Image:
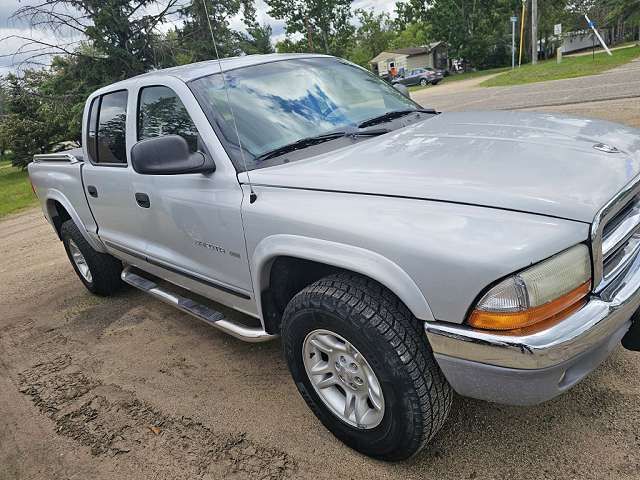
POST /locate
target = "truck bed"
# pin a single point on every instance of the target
(57, 180)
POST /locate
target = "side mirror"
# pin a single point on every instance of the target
(168, 155)
(402, 89)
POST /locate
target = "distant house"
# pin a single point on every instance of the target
(433, 55)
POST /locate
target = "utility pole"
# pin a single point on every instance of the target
(514, 20)
(534, 31)
(522, 20)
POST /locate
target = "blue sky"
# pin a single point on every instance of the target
(9, 28)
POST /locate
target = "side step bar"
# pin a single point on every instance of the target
(198, 310)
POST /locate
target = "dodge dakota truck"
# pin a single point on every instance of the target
(400, 253)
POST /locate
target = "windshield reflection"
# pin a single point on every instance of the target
(278, 103)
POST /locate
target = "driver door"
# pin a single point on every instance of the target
(191, 222)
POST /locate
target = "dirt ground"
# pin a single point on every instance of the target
(128, 387)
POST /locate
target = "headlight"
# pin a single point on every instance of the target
(551, 289)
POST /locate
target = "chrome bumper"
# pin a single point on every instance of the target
(602, 317)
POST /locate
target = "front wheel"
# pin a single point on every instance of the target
(361, 362)
(424, 82)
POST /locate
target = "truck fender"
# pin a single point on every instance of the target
(58, 196)
(348, 257)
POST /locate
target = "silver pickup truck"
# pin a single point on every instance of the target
(400, 253)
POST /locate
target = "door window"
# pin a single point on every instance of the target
(112, 120)
(160, 112)
(91, 130)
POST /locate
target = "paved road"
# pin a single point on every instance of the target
(127, 387)
(622, 83)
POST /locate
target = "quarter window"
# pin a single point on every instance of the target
(112, 120)
(161, 112)
(91, 130)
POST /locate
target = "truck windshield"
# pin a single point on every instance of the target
(282, 102)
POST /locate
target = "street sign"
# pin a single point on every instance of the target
(514, 19)
(557, 29)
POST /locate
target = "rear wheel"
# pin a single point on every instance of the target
(99, 272)
(362, 363)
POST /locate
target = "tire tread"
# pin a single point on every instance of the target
(370, 304)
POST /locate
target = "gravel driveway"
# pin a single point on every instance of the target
(129, 388)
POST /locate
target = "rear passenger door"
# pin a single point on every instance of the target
(107, 173)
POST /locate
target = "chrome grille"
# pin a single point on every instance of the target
(616, 236)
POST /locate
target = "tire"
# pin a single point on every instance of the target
(436, 82)
(424, 82)
(104, 270)
(416, 397)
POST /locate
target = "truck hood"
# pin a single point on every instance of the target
(532, 162)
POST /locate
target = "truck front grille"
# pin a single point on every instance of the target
(620, 240)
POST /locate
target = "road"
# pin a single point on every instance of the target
(127, 387)
(603, 95)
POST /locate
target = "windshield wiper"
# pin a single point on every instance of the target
(387, 117)
(310, 141)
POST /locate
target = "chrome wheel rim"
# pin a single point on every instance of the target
(80, 261)
(343, 379)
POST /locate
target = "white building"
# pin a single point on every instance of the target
(433, 55)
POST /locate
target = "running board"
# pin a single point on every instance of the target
(198, 310)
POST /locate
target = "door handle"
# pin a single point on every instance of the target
(143, 200)
(93, 191)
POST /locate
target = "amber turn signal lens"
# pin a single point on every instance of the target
(513, 320)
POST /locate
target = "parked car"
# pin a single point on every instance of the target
(439, 71)
(400, 253)
(419, 76)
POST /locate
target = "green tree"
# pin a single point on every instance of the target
(477, 31)
(195, 36)
(36, 119)
(256, 40)
(289, 45)
(325, 24)
(610, 13)
(373, 35)
(411, 12)
(627, 10)
(413, 35)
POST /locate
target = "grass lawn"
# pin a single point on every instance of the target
(571, 67)
(462, 76)
(15, 190)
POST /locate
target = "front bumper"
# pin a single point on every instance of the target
(529, 369)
